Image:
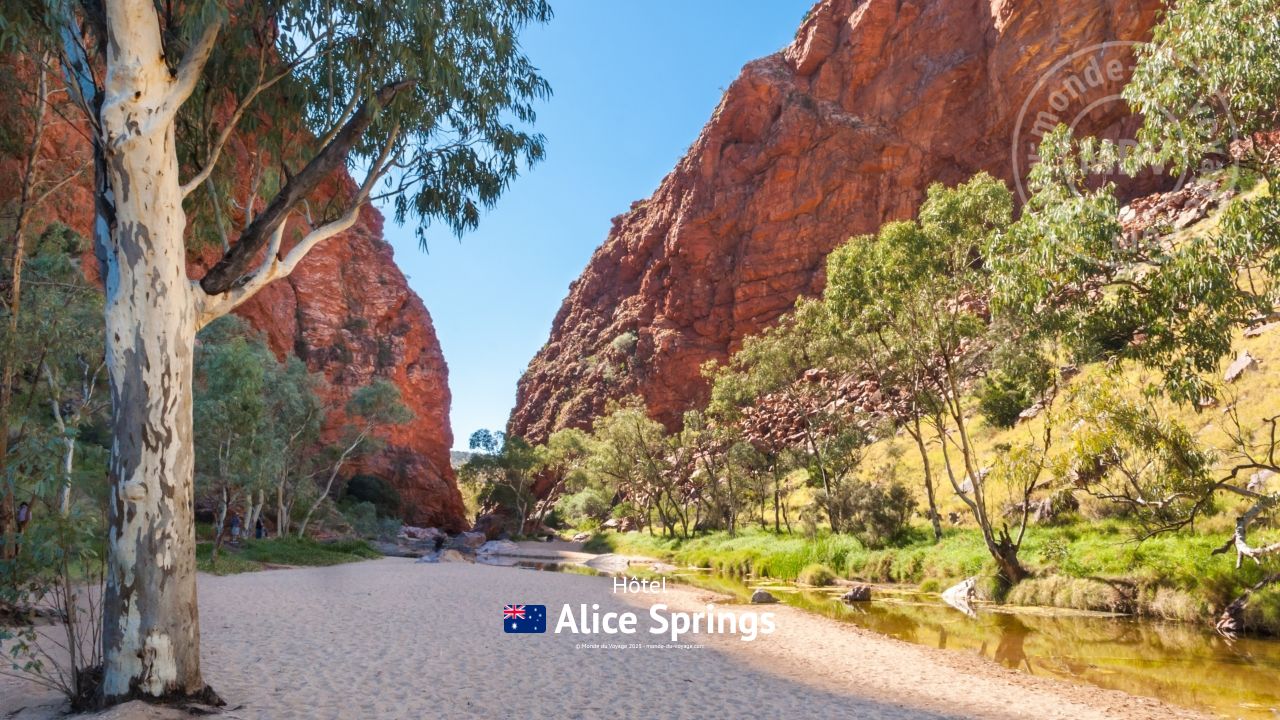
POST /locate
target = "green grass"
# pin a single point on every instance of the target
(817, 575)
(256, 555)
(1093, 566)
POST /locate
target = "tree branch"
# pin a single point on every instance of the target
(192, 66)
(235, 263)
(273, 268)
(261, 85)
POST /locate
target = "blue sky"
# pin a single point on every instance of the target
(634, 82)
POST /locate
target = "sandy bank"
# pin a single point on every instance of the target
(395, 639)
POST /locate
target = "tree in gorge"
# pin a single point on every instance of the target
(1208, 89)
(425, 102)
(918, 291)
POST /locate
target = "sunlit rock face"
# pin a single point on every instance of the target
(347, 311)
(837, 134)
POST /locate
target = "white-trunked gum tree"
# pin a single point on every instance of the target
(426, 102)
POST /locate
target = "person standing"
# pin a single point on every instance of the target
(23, 517)
(259, 530)
(235, 529)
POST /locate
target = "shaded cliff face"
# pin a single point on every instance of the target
(347, 311)
(842, 131)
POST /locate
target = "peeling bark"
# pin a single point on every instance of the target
(151, 630)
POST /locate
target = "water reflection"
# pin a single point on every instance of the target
(1181, 664)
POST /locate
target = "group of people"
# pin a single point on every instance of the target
(259, 530)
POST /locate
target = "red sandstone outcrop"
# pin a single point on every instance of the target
(347, 311)
(834, 136)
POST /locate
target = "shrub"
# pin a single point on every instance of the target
(816, 574)
(582, 508)
(374, 490)
(1017, 382)
(875, 514)
(365, 521)
(624, 344)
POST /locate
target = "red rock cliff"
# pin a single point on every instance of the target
(837, 134)
(347, 311)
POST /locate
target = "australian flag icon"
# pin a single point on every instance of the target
(524, 618)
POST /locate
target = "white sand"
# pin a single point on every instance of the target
(395, 639)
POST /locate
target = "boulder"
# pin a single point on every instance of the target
(762, 597)
(857, 594)
(1258, 481)
(491, 525)
(582, 537)
(1256, 330)
(497, 547)
(468, 541)
(410, 532)
(960, 596)
(1244, 361)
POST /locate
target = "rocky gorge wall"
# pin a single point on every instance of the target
(835, 135)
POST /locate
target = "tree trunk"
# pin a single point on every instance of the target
(282, 511)
(151, 630)
(777, 503)
(917, 433)
(333, 475)
(219, 525)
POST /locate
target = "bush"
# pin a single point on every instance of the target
(375, 490)
(875, 514)
(585, 507)
(625, 343)
(364, 520)
(817, 574)
(1015, 385)
(626, 510)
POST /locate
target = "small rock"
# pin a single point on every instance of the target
(467, 540)
(497, 547)
(1243, 362)
(582, 537)
(857, 594)
(1258, 480)
(1257, 330)
(762, 597)
(1188, 217)
(960, 596)
(431, 557)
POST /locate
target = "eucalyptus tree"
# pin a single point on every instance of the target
(636, 458)
(561, 464)
(920, 288)
(425, 101)
(371, 407)
(298, 412)
(1208, 88)
(504, 469)
(233, 430)
(768, 386)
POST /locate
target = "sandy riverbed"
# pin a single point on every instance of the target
(394, 639)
